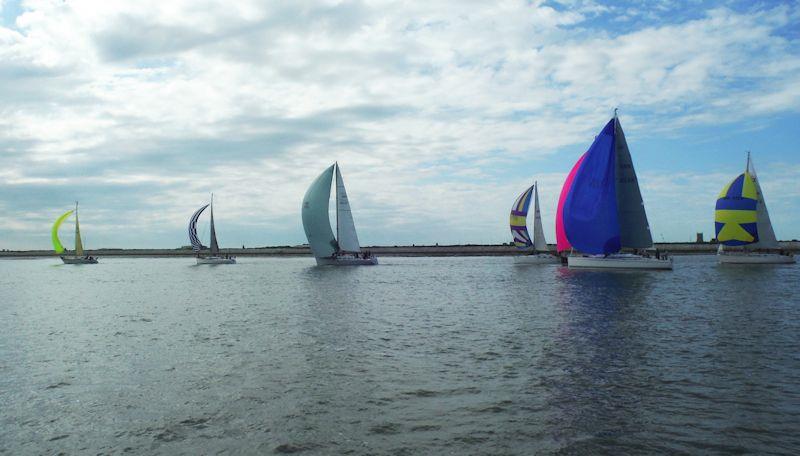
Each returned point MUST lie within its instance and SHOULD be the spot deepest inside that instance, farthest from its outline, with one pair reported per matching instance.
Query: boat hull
(215, 260)
(347, 261)
(619, 262)
(79, 260)
(755, 258)
(537, 259)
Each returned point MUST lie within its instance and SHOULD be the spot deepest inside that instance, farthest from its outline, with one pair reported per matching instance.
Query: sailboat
(79, 257)
(536, 250)
(742, 223)
(329, 250)
(601, 210)
(198, 246)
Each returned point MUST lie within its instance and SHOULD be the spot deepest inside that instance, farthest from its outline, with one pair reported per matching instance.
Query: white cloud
(253, 99)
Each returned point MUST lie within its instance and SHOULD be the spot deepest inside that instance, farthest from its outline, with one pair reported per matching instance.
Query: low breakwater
(408, 251)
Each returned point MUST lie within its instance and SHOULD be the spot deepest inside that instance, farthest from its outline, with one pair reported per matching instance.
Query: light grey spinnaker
(316, 222)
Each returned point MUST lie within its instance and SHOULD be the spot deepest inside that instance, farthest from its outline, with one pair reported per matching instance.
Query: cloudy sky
(439, 112)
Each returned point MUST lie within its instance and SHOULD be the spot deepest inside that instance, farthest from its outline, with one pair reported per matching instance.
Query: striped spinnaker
(735, 218)
(517, 220)
(196, 244)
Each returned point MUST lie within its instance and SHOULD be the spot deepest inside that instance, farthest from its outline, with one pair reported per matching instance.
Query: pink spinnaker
(562, 243)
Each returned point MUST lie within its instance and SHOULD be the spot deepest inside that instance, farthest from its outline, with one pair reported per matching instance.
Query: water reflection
(594, 356)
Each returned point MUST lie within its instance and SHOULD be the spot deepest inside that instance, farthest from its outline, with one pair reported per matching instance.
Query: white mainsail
(345, 226)
(539, 244)
(766, 234)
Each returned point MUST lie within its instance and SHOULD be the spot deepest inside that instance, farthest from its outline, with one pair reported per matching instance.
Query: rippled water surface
(416, 356)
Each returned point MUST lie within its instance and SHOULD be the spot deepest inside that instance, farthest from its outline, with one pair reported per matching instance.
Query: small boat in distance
(79, 257)
(601, 210)
(741, 221)
(197, 246)
(536, 251)
(344, 249)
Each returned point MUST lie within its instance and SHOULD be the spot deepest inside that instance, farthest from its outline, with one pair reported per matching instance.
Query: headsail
(316, 222)
(54, 232)
(78, 241)
(196, 244)
(539, 244)
(634, 231)
(735, 216)
(214, 245)
(562, 243)
(766, 234)
(345, 226)
(591, 220)
(518, 220)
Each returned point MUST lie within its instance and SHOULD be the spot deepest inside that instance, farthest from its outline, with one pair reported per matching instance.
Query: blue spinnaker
(591, 221)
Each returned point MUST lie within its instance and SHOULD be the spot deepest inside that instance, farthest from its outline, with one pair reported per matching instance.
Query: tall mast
(747, 167)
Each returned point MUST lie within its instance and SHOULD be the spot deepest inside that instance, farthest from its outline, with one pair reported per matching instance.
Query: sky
(440, 113)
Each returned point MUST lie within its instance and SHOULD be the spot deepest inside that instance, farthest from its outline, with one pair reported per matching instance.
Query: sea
(416, 356)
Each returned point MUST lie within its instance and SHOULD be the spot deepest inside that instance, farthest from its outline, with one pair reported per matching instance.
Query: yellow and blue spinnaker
(735, 218)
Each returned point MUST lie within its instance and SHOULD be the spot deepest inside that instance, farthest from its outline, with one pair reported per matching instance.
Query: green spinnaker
(54, 234)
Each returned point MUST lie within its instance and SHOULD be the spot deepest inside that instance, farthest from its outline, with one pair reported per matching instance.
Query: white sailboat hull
(79, 260)
(215, 260)
(539, 258)
(619, 261)
(754, 258)
(347, 261)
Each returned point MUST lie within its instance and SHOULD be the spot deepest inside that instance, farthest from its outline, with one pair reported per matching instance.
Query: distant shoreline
(676, 248)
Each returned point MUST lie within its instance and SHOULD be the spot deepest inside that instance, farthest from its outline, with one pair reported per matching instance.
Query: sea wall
(413, 250)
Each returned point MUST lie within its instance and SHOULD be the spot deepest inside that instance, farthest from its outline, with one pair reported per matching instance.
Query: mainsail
(766, 234)
(316, 222)
(345, 226)
(518, 220)
(78, 242)
(196, 244)
(634, 231)
(54, 232)
(214, 245)
(539, 244)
